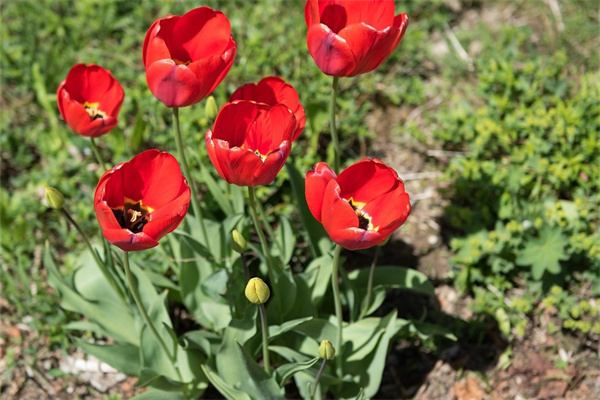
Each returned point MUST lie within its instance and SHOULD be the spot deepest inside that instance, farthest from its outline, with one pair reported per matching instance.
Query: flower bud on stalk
(257, 291)
(54, 198)
(238, 243)
(210, 108)
(326, 350)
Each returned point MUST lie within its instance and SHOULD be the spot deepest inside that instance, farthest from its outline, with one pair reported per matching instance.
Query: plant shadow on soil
(477, 348)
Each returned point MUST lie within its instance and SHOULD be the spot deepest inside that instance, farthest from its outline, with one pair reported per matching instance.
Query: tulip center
(133, 215)
(179, 62)
(364, 219)
(261, 156)
(93, 111)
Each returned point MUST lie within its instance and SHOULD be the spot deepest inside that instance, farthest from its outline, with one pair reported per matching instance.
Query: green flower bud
(257, 291)
(238, 242)
(326, 350)
(54, 198)
(210, 108)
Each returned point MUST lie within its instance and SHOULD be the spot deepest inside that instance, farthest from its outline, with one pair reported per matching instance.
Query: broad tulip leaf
(155, 394)
(545, 253)
(236, 365)
(392, 277)
(425, 330)
(201, 340)
(287, 326)
(114, 320)
(217, 192)
(286, 371)
(369, 369)
(285, 240)
(149, 377)
(223, 387)
(124, 357)
(319, 272)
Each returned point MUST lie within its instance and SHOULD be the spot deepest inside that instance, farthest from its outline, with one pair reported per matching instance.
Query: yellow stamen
(93, 111)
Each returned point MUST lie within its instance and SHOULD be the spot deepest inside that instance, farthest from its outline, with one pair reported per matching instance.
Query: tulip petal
(174, 85)
(158, 43)
(330, 51)
(367, 179)
(389, 211)
(202, 32)
(129, 241)
(315, 183)
(336, 214)
(149, 176)
(157, 228)
(272, 165)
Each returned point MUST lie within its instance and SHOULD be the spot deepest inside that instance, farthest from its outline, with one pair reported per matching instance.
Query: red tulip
(187, 57)
(250, 141)
(362, 206)
(349, 38)
(140, 201)
(272, 90)
(90, 99)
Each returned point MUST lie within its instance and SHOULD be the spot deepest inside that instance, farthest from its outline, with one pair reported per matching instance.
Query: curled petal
(330, 51)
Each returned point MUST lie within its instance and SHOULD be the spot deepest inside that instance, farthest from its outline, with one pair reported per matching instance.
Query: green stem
(316, 383)
(265, 338)
(145, 316)
(261, 234)
(338, 308)
(96, 151)
(107, 275)
(186, 171)
(334, 136)
(367, 302)
(245, 267)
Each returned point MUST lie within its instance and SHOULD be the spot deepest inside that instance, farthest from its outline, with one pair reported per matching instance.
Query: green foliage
(526, 187)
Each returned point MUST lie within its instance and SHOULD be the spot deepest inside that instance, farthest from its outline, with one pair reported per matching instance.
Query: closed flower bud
(210, 108)
(326, 350)
(238, 243)
(54, 198)
(257, 291)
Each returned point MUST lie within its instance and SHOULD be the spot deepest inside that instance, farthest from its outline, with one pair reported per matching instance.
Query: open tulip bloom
(89, 100)
(140, 201)
(362, 206)
(186, 57)
(349, 38)
(273, 90)
(250, 141)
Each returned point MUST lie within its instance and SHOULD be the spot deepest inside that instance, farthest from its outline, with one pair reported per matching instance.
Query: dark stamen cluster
(132, 216)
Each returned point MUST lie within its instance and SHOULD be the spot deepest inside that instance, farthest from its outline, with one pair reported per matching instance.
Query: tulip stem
(334, 136)
(188, 175)
(107, 275)
(316, 383)
(145, 316)
(261, 234)
(367, 302)
(265, 338)
(96, 151)
(338, 308)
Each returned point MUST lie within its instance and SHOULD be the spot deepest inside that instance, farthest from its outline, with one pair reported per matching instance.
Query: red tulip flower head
(362, 206)
(273, 90)
(90, 100)
(352, 37)
(140, 201)
(186, 57)
(250, 141)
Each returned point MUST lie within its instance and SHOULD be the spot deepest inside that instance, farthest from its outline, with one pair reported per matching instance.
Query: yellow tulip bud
(326, 350)
(210, 108)
(257, 291)
(54, 198)
(238, 243)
